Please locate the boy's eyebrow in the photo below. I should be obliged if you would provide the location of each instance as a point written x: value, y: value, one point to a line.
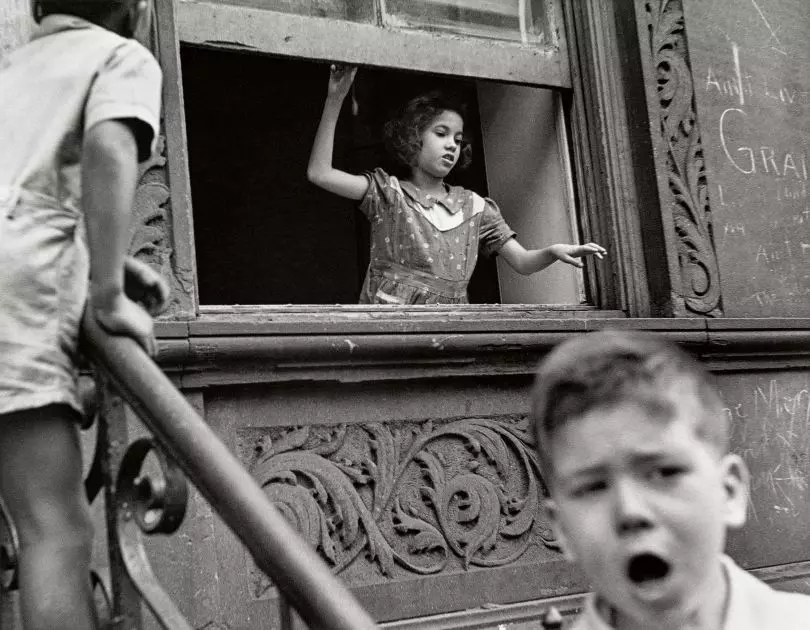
x: 587, y: 471
x: 642, y: 459
x: 651, y: 458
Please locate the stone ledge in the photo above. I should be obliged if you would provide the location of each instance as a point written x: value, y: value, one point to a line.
x: 249, y: 349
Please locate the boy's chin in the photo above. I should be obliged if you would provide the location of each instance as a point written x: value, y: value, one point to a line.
x: 665, y: 604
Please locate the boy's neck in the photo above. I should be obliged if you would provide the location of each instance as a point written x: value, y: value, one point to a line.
x: 709, y: 614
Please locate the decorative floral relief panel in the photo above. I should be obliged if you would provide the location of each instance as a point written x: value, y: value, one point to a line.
x: 385, y: 501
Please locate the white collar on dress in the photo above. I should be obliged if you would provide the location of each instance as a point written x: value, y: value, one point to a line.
x: 453, y: 202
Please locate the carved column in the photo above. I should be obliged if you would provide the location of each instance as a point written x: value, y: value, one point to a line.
x: 163, y: 234
x: 678, y: 158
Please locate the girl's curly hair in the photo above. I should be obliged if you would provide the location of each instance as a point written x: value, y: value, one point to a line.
x: 403, y: 133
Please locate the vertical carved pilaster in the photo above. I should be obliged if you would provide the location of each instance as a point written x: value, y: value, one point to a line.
x: 162, y: 234
x: 687, y: 194
x: 151, y: 240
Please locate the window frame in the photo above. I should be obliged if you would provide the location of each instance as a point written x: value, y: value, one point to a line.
x: 585, y: 67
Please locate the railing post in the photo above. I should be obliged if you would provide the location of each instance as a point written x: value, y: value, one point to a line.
x: 286, y: 614
x: 320, y: 598
x: 113, y: 435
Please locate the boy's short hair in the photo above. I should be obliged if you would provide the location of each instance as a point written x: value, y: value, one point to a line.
x: 604, y: 369
x: 95, y: 11
x: 403, y: 133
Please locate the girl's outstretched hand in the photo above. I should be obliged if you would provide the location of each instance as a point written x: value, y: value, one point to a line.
x: 340, y: 80
x: 571, y: 253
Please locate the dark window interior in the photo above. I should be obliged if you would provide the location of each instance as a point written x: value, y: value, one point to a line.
x: 264, y: 234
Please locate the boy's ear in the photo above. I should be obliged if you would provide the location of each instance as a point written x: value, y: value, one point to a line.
x: 552, y: 513
x: 735, y: 487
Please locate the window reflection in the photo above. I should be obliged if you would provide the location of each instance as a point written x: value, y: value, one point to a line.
x: 523, y: 21
x: 517, y: 20
x: 352, y: 10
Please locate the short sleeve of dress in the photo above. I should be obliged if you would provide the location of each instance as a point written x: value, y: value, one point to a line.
x: 494, y: 231
x: 128, y: 86
x: 381, y: 194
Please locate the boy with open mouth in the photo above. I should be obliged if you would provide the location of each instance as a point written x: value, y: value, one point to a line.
x: 633, y: 444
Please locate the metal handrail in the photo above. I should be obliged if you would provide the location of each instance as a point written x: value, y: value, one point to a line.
x: 319, y: 597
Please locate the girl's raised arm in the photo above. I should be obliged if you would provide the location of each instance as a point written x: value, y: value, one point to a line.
x: 320, y: 171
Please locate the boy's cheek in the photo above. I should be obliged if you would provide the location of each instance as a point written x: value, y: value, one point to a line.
x: 556, y: 519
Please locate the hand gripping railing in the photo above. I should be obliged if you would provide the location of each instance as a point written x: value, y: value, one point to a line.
x: 320, y: 598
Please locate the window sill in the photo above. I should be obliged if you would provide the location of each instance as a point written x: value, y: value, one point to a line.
x: 360, y: 344
x: 363, y: 319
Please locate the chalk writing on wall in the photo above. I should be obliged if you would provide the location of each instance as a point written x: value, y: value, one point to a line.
x: 770, y: 429
x: 751, y: 69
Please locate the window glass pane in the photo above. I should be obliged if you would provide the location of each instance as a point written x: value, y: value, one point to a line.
x: 524, y: 21
x: 353, y: 10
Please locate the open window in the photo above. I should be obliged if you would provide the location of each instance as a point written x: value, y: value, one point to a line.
x: 254, y: 79
x: 249, y: 137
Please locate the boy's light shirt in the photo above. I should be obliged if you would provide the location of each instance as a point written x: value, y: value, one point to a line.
x: 753, y: 605
x: 69, y: 77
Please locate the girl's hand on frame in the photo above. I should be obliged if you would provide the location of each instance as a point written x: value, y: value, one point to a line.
x: 570, y: 254
x: 340, y: 80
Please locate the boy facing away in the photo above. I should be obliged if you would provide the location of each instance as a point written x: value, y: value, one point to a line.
x: 633, y: 445
x: 79, y: 108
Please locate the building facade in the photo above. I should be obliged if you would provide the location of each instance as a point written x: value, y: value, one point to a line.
x: 673, y: 132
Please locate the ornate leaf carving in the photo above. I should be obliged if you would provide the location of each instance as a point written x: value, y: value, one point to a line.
x: 700, y: 277
x: 416, y: 498
x: 151, y: 208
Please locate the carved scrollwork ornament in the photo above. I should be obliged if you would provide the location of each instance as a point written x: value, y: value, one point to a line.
x: 151, y: 505
x: 151, y: 238
x: 158, y: 504
x: 419, y: 498
x: 686, y: 172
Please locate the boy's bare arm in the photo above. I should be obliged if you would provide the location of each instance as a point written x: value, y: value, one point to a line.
x: 109, y: 178
x: 320, y: 170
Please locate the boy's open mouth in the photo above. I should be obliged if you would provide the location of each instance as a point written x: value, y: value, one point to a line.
x: 645, y: 568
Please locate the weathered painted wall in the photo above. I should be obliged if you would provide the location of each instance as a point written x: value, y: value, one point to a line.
x: 410, y: 467
x: 424, y: 494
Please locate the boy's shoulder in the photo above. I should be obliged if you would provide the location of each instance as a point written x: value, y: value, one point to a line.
x: 67, y: 33
x: 755, y: 605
